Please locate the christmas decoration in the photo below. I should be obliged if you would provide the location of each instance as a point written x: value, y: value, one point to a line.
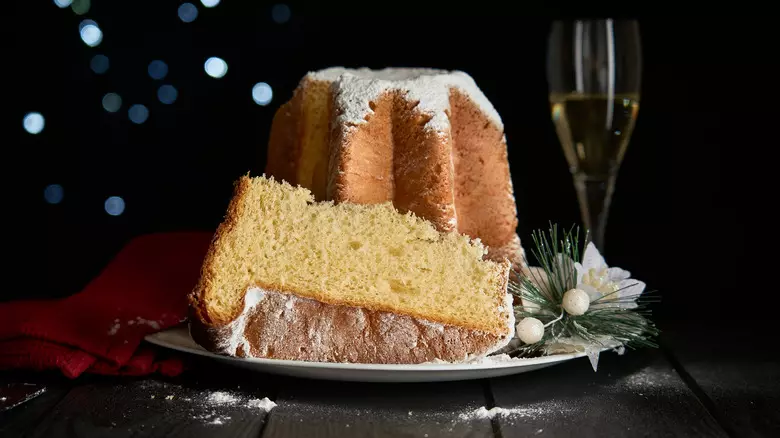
x: 578, y: 304
x: 530, y: 330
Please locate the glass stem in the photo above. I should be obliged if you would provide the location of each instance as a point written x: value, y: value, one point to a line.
x: 595, y: 195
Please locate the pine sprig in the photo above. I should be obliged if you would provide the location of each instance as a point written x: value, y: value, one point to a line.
x: 624, y: 320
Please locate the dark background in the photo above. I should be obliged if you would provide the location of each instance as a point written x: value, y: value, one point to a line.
x: 686, y: 217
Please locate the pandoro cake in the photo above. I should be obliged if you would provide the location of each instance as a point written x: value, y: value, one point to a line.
x: 427, y: 140
x: 287, y: 277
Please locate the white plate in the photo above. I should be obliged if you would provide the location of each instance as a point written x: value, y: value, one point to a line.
x: 179, y: 339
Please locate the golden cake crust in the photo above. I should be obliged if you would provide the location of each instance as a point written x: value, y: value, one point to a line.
x: 284, y: 326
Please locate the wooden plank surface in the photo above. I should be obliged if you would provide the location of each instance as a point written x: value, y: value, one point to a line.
x: 18, y: 420
x: 637, y: 394
x: 212, y: 401
x: 737, y: 368
x: 149, y: 408
x: 342, y: 409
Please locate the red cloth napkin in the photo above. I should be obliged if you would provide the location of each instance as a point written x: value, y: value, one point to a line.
x: 100, y: 329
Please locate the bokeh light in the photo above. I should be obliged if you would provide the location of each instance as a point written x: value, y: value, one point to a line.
x: 167, y: 94
x: 138, y: 113
x: 99, y: 64
x: 33, y: 123
x: 215, y: 67
x: 63, y: 3
x: 157, y: 69
x: 188, y: 12
x: 112, y: 102
x: 86, y: 22
x: 114, y: 205
x: 281, y: 13
x: 262, y: 93
x: 80, y: 7
x: 210, y: 3
x: 53, y: 193
x: 90, y: 33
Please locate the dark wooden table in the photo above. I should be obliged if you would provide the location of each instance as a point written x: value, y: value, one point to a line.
x: 700, y: 383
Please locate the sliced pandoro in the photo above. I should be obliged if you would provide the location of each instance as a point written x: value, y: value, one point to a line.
x: 290, y: 278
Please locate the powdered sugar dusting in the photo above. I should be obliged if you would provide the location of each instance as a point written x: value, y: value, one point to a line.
x: 500, y: 344
x: 509, y: 309
x: 263, y: 404
x: 237, y: 339
x: 355, y: 88
x: 497, y: 359
x: 537, y: 411
x: 153, y: 324
x: 222, y: 398
x: 114, y: 329
x: 332, y: 74
x: 434, y: 325
x: 648, y: 380
x: 218, y: 420
x: 208, y: 407
x: 483, y: 412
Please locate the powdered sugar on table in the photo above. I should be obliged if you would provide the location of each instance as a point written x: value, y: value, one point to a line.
x: 210, y: 407
x: 222, y: 398
x: 538, y: 411
x: 263, y: 404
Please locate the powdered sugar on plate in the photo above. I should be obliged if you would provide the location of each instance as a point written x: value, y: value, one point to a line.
x: 483, y: 360
x: 496, y: 359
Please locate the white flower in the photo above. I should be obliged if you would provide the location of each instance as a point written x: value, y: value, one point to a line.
x: 613, y: 287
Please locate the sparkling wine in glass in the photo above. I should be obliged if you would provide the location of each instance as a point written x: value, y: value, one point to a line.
x: 594, y: 72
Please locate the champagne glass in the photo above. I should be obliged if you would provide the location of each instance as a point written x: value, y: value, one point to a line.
x: 594, y: 70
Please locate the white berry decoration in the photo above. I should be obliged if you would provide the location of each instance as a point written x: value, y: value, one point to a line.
x: 530, y: 330
x: 576, y: 302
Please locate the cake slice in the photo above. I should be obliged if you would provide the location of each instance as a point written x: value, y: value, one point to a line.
x: 290, y: 278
